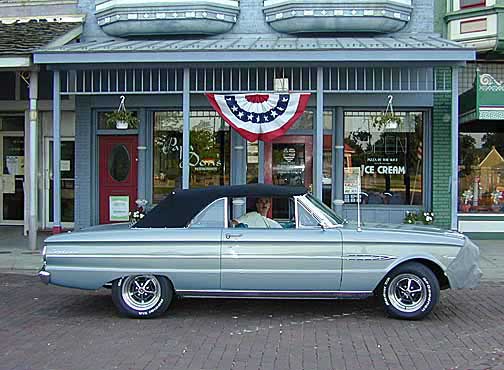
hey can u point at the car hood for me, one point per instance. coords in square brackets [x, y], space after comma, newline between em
[418, 230]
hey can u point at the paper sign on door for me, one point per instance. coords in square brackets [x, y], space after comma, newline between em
[119, 208]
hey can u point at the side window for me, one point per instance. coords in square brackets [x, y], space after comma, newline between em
[211, 217]
[306, 219]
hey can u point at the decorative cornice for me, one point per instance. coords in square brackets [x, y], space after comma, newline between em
[153, 18]
[337, 16]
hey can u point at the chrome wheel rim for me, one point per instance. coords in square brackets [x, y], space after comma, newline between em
[407, 292]
[141, 292]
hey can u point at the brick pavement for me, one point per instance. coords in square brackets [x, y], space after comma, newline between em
[47, 327]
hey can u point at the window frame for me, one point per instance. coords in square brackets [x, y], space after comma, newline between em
[426, 155]
[203, 211]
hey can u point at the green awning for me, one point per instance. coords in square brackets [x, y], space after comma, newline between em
[483, 105]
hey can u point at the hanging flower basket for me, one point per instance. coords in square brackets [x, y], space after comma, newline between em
[121, 119]
[388, 119]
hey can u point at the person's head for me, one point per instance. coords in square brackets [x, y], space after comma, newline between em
[263, 205]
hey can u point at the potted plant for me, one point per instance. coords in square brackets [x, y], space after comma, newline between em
[121, 119]
[423, 217]
[386, 120]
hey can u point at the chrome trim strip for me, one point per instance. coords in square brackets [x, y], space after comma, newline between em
[275, 257]
[224, 256]
[305, 294]
[367, 257]
[70, 255]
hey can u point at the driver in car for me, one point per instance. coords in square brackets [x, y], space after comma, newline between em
[259, 219]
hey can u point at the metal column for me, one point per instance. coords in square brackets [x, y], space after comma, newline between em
[33, 162]
[56, 153]
[454, 149]
[338, 162]
[186, 131]
[261, 160]
[318, 138]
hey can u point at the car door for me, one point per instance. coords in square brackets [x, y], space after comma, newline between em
[367, 256]
[284, 260]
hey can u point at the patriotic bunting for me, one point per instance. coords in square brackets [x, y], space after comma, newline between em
[260, 116]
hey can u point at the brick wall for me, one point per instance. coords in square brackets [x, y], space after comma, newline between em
[441, 154]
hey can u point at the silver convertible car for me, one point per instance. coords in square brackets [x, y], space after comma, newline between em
[260, 241]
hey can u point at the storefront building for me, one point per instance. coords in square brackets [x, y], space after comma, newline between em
[161, 63]
[26, 109]
[478, 24]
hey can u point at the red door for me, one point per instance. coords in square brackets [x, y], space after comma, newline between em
[118, 177]
[288, 161]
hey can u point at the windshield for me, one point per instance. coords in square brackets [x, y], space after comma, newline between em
[325, 210]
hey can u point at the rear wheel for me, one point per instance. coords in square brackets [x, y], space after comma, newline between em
[410, 291]
[142, 296]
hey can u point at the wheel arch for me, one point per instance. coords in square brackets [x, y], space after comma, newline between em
[167, 277]
[427, 262]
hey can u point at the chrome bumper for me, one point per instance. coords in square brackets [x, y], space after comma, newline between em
[44, 276]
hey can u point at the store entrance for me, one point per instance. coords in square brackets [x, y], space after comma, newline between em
[118, 177]
[11, 185]
[288, 161]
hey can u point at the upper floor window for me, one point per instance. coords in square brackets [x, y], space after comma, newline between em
[464, 4]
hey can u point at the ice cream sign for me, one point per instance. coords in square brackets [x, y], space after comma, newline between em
[383, 166]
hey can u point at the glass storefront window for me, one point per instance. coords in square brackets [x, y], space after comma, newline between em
[481, 172]
[252, 162]
[209, 151]
[390, 158]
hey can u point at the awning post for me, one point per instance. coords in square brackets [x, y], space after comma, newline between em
[186, 130]
[33, 162]
[318, 145]
[56, 154]
[454, 148]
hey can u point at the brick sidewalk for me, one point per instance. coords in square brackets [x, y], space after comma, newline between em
[46, 327]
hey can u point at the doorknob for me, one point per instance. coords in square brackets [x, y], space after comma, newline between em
[229, 236]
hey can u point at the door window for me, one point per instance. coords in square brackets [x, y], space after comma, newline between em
[119, 163]
[306, 219]
[13, 171]
[67, 168]
[288, 167]
[211, 217]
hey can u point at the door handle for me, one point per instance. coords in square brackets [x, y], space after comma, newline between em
[229, 236]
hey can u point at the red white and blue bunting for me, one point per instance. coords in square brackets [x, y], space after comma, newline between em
[260, 116]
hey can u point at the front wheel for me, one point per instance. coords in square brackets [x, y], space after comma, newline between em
[410, 291]
[142, 296]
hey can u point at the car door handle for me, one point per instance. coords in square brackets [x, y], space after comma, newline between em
[229, 236]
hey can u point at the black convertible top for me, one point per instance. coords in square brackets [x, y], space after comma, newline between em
[180, 206]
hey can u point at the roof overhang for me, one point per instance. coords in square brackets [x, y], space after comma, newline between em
[15, 62]
[483, 104]
[283, 50]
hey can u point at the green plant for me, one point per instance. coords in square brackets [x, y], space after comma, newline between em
[424, 217]
[121, 116]
[385, 119]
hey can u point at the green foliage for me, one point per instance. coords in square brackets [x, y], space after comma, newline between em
[114, 117]
[381, 121]
[426, 218]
